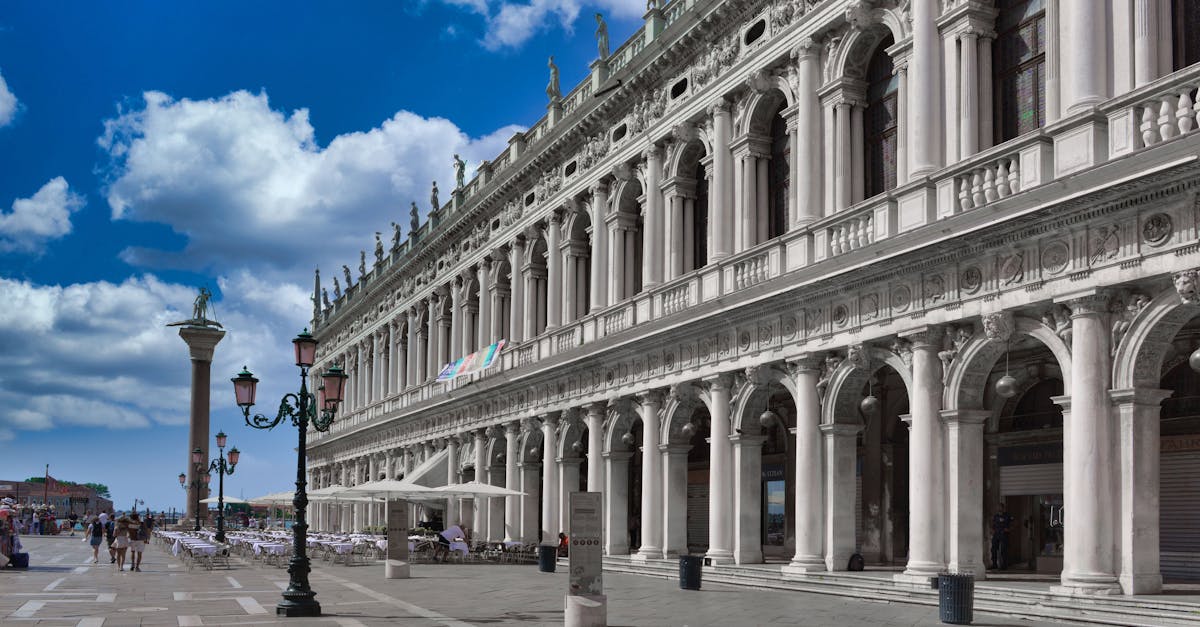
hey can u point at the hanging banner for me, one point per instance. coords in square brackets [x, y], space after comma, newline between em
[475, 362]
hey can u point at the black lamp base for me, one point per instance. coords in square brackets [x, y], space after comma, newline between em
[291, 608]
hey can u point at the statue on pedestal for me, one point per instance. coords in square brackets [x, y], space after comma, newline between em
[602, 36]
[395, 236]
[362, 265]
[337, 289]
[433, 198]
[378, 249]
[552, 90]
[346, 271]
[460, 173]
[415, 222]
[325, 295]
[199, 312]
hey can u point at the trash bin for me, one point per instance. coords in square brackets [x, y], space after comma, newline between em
[956, 598]
[547, 558]
[689, 571]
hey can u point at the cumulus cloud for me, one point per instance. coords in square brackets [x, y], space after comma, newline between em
[250, 187]
[8, 103]
[100, 354]
[511, 24]
[44, 216]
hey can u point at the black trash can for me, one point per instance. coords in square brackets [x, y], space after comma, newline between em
[547, 558]
[956, 599]
[689, 571]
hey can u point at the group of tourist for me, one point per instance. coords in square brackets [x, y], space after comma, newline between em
[122, 535]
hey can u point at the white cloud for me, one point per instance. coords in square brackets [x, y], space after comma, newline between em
[44, 216]
[8, 103]
[250, 187]
[511, 24]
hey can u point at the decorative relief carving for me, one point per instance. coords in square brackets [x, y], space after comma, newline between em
[935, 288]
[1156, 230]
[1058, 317]
[832, 361]
[998, 326]
[953, 341]
[788, 327]
[841, 315]
[1105, 244]
[784, 12]
[901, 298]
[858, 356]
[903, 349]
[1186, 287]
[719, 56]
[869, 308]
[1012, 267]
[971, 279]
[1055, 256]
[1124, 311]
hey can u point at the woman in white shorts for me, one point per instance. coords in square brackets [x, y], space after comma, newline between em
[136, 543]
[121, 541]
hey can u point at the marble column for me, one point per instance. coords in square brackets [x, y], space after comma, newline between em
[1146, 41]
[923, 75]
[1090, 493]
[652, 481]
[452, 508]
[616, 279]
[810, 549]
[554, 272]
[456, 319]
[926, 467]
[747, 465]
[484, 323]
[512, 504]
[410, 378]
[1084, 34]
[675, 468]
[549, 529]
[840, 444]
[844, 166]
[721, 192]
[964, 473]
[595, 444]
[598, 293]
[479, 521]
[616, 498]
[516, 318]
[968, 98]
[496, 506]
[1139, 429]
[720, 473]
[201, 342]
[652, 255]
[570, 283]
[530, 516]
[807, 187]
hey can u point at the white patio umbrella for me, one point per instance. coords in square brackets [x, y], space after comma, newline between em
[229, 499]
[475, 489]
[391, 489]
[274, 498]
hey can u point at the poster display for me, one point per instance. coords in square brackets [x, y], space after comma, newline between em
[587, 543]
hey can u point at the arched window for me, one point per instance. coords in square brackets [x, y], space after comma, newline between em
[1019, 66]
[1185, 21]
[880, 134]
[780, 180]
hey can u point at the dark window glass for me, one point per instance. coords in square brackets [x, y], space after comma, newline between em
[1185, 20]
[1019, 67]
[779, 176]
[880, 122]
[700, 219]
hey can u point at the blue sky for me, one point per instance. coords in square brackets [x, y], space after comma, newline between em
[149, 148]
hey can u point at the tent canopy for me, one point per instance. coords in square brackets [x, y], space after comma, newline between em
[275, 498]
[229, 499]
[388, 488]
[474, 489]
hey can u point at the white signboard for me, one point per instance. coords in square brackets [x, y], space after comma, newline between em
[587, 543]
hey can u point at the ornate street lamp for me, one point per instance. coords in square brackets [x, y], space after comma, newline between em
[299, 598]
[201, 480]
[221, 465]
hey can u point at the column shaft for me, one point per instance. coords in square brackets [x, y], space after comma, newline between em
[553, 274]
[810, 553]
[512, 504]
[652, 525]
[926, 469]
[720, 477]
[599, 288]
[924, 72]
[549, 531]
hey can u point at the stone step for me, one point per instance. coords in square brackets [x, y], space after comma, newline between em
[1112, 611]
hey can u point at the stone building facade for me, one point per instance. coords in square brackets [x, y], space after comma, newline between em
[792, 280]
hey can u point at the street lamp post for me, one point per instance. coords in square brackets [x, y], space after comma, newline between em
[201, 480]
[222, 466]
[299, 598]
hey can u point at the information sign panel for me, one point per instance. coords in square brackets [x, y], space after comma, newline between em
[587, 543]
[397, 530]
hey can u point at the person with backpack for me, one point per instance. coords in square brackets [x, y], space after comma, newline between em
[95, 535]
[110, 528]
[137, 542]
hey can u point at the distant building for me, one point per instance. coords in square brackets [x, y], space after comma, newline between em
[65, 498]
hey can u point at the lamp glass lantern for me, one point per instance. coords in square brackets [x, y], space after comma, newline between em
[197, 456]
[234, 454]
[245, 387]
[221, 439]
[333, 382]
[306, 349]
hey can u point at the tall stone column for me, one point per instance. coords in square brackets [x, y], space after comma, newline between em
[516, 318]
[720, 473]
[496, 506]
[452, 507]
[840, 440]
[1084, 34]
[598, 294]
[747, 457]
[721, 194]
[969, 80]
[1146, 41]
[485, 305]
[568, 482]
[923, 75]
[926, 466]
[675, 467]
[652, 482]
[512, 504]
[964, 472]
[1090, 493]
[652, 255]
[1139, 427]
[595, 444]
[410, 375]
[549, 478]
[553, 272]
[456, 320]
[480, 505]
[530, 516]
[616, 279]
[570, 283]
[810, 550]
[616, 497]
[201, 342]
[808, 135]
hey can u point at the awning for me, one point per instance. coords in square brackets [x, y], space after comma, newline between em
[389, 489]
[229, 499]
[432, 472]
[275, 498]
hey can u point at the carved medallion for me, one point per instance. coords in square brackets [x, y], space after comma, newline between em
[841, 315]
[935, 288]
[901, 298]
[744, 340]
[1055, 257]
[1156, 230]
[788, 327]
[870, 307]
[1012, 268]
[971, 280]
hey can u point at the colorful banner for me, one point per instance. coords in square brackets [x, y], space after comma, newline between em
[475, 362]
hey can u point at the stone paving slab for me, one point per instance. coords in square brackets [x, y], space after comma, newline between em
[62, 588]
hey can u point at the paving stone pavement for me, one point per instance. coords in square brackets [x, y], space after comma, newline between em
[62, 588]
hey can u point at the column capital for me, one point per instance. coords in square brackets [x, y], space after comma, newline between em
[720, 381]
[550, 419]
[747, 440]
[617, 456]
[965, 416]
[1151, 397]
[925, 338]
[807, 362]
[650, 397]
[807, 49]
[599, 187]
[653, 151]
[839, 429]
[598, 408]
[675, 449]
[720, 107]
[1090, 302]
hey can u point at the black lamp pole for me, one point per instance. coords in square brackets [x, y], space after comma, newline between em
[299, 598]
[222, 466]
[201, 480]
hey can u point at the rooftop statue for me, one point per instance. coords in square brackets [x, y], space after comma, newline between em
[415, 219]
[362, 264]
[395, 236]
[460, 172]
[325, 295]
[602, 36]
[199, 312]
[346, 271]
[433, 200]
[378, 249]
[552, 90]
[337, 289]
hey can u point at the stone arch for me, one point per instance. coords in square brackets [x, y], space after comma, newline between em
[970, 370]
[619, 421]
[676, 412]
[682, 160]
[466, 454]
[842, 394]
[755, 394]
[495, 448]
[867, 29]
[529, 439]
[763, 105]
[571, 431]
[1138, 359]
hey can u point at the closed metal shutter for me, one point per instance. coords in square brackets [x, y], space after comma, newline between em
[858, 516]
[1031, 479]
[1179, 522]
[697, 517]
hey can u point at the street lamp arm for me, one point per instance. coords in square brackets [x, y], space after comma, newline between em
[287, 408]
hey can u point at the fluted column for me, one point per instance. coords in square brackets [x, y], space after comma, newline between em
[516, 318]
[747, 525]
[432, 343]
[410, 375]
[512, 504]
[652, 483]
[598, 294]
[1090, 493]
[570, 283]
[1146, 41]
[926, 471]
[652, 255]
[554, 272]
[1084, 34]
[844, 167]
[923, 75]
[456, 320]
[969, 80]
[810, 551]
[479, 522]
[616, 279]
[807, 187]
[720, 473]
[549, 531]
[721, 193]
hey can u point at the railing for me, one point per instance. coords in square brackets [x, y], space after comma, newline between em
[1170, 114]
[566, 340]
[989, 183]
[525, 354]
[750, 271]
[616, 321]
[676, 9]
[852, 234]
[623, 55]
[676, 299]
[1154, 113]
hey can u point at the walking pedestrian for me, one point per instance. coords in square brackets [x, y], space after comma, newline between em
[137, 542]
[1001, 524]
[94, 536]
[109, 528]
[121, 541]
